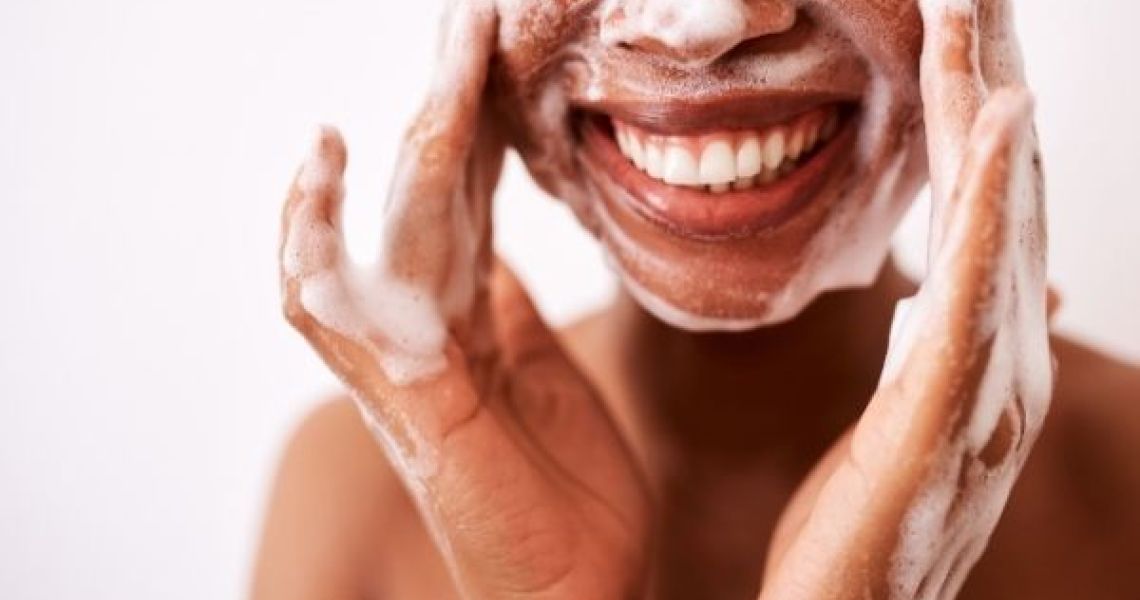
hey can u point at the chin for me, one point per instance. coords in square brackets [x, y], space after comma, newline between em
[729, 196]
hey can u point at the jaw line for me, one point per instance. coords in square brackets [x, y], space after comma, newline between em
[681, 318]
[783, 306]
[678, 317]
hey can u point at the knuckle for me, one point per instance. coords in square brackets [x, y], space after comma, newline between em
[295, 313]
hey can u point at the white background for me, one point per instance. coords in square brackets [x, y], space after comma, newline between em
[147, 381]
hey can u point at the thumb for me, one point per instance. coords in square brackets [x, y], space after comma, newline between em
[437, 225]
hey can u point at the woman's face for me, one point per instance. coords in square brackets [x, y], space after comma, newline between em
[735, 157]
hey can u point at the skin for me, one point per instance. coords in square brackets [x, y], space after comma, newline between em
[628, 458]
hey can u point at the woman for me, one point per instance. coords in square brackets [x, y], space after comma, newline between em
[709, 435]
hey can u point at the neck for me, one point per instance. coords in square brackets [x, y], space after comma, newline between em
[783, 392]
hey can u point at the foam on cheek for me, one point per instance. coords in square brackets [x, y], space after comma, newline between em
[397, 323]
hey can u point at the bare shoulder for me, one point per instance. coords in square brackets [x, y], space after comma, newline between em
[1095, 422]
[1071, 526]
[1086, 372]
[339, 523]
[1096, 430]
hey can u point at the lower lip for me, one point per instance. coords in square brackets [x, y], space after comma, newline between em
[705, 215]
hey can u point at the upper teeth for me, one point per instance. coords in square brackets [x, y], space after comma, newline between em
[720, 161]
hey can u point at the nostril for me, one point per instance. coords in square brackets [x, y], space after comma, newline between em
[692, 32]
[785, 41]
[770, 18]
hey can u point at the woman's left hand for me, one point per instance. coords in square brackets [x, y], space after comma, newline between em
[904, 506]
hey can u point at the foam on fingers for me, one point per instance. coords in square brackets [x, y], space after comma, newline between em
[984, 305]
[396, 322]
[311, 237]
[952, 86]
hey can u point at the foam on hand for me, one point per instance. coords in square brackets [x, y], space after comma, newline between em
[948, 525]
[397, 323]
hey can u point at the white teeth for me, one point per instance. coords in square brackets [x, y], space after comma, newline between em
[653, 160]
[622, 140]
[680, 168]
[635, 152]
[718, 165]
[748, 159]
[811, 136]
[774, 150]
[795, 143]
[726, 161]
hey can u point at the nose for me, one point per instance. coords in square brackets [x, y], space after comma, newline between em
[692, 32]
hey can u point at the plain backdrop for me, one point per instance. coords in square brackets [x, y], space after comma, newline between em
[147, 381]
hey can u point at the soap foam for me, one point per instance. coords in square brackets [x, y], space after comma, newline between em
[399, 324]
[714, 25]
[851, 247]
[946, 527]
[949, 523]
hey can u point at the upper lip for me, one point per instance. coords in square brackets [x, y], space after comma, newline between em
[740, 110]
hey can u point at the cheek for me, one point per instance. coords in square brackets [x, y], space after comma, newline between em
[889, 32]
[530, 75]
[537, 123]
[531, 31]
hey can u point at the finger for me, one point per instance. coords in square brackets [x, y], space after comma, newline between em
[437, 228]
[992, 242]
[948, 433]
[375, 343]
[933, 458]
[970, 48]
[999, 49]
[953, 89]
[310, 222]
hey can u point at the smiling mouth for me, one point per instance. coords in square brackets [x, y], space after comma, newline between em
[720, 181]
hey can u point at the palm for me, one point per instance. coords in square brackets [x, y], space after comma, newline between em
[517, 468]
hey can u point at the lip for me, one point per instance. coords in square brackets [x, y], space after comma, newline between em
[739, 110]
[702, 215]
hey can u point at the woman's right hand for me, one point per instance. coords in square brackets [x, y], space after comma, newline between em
[518, 470]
